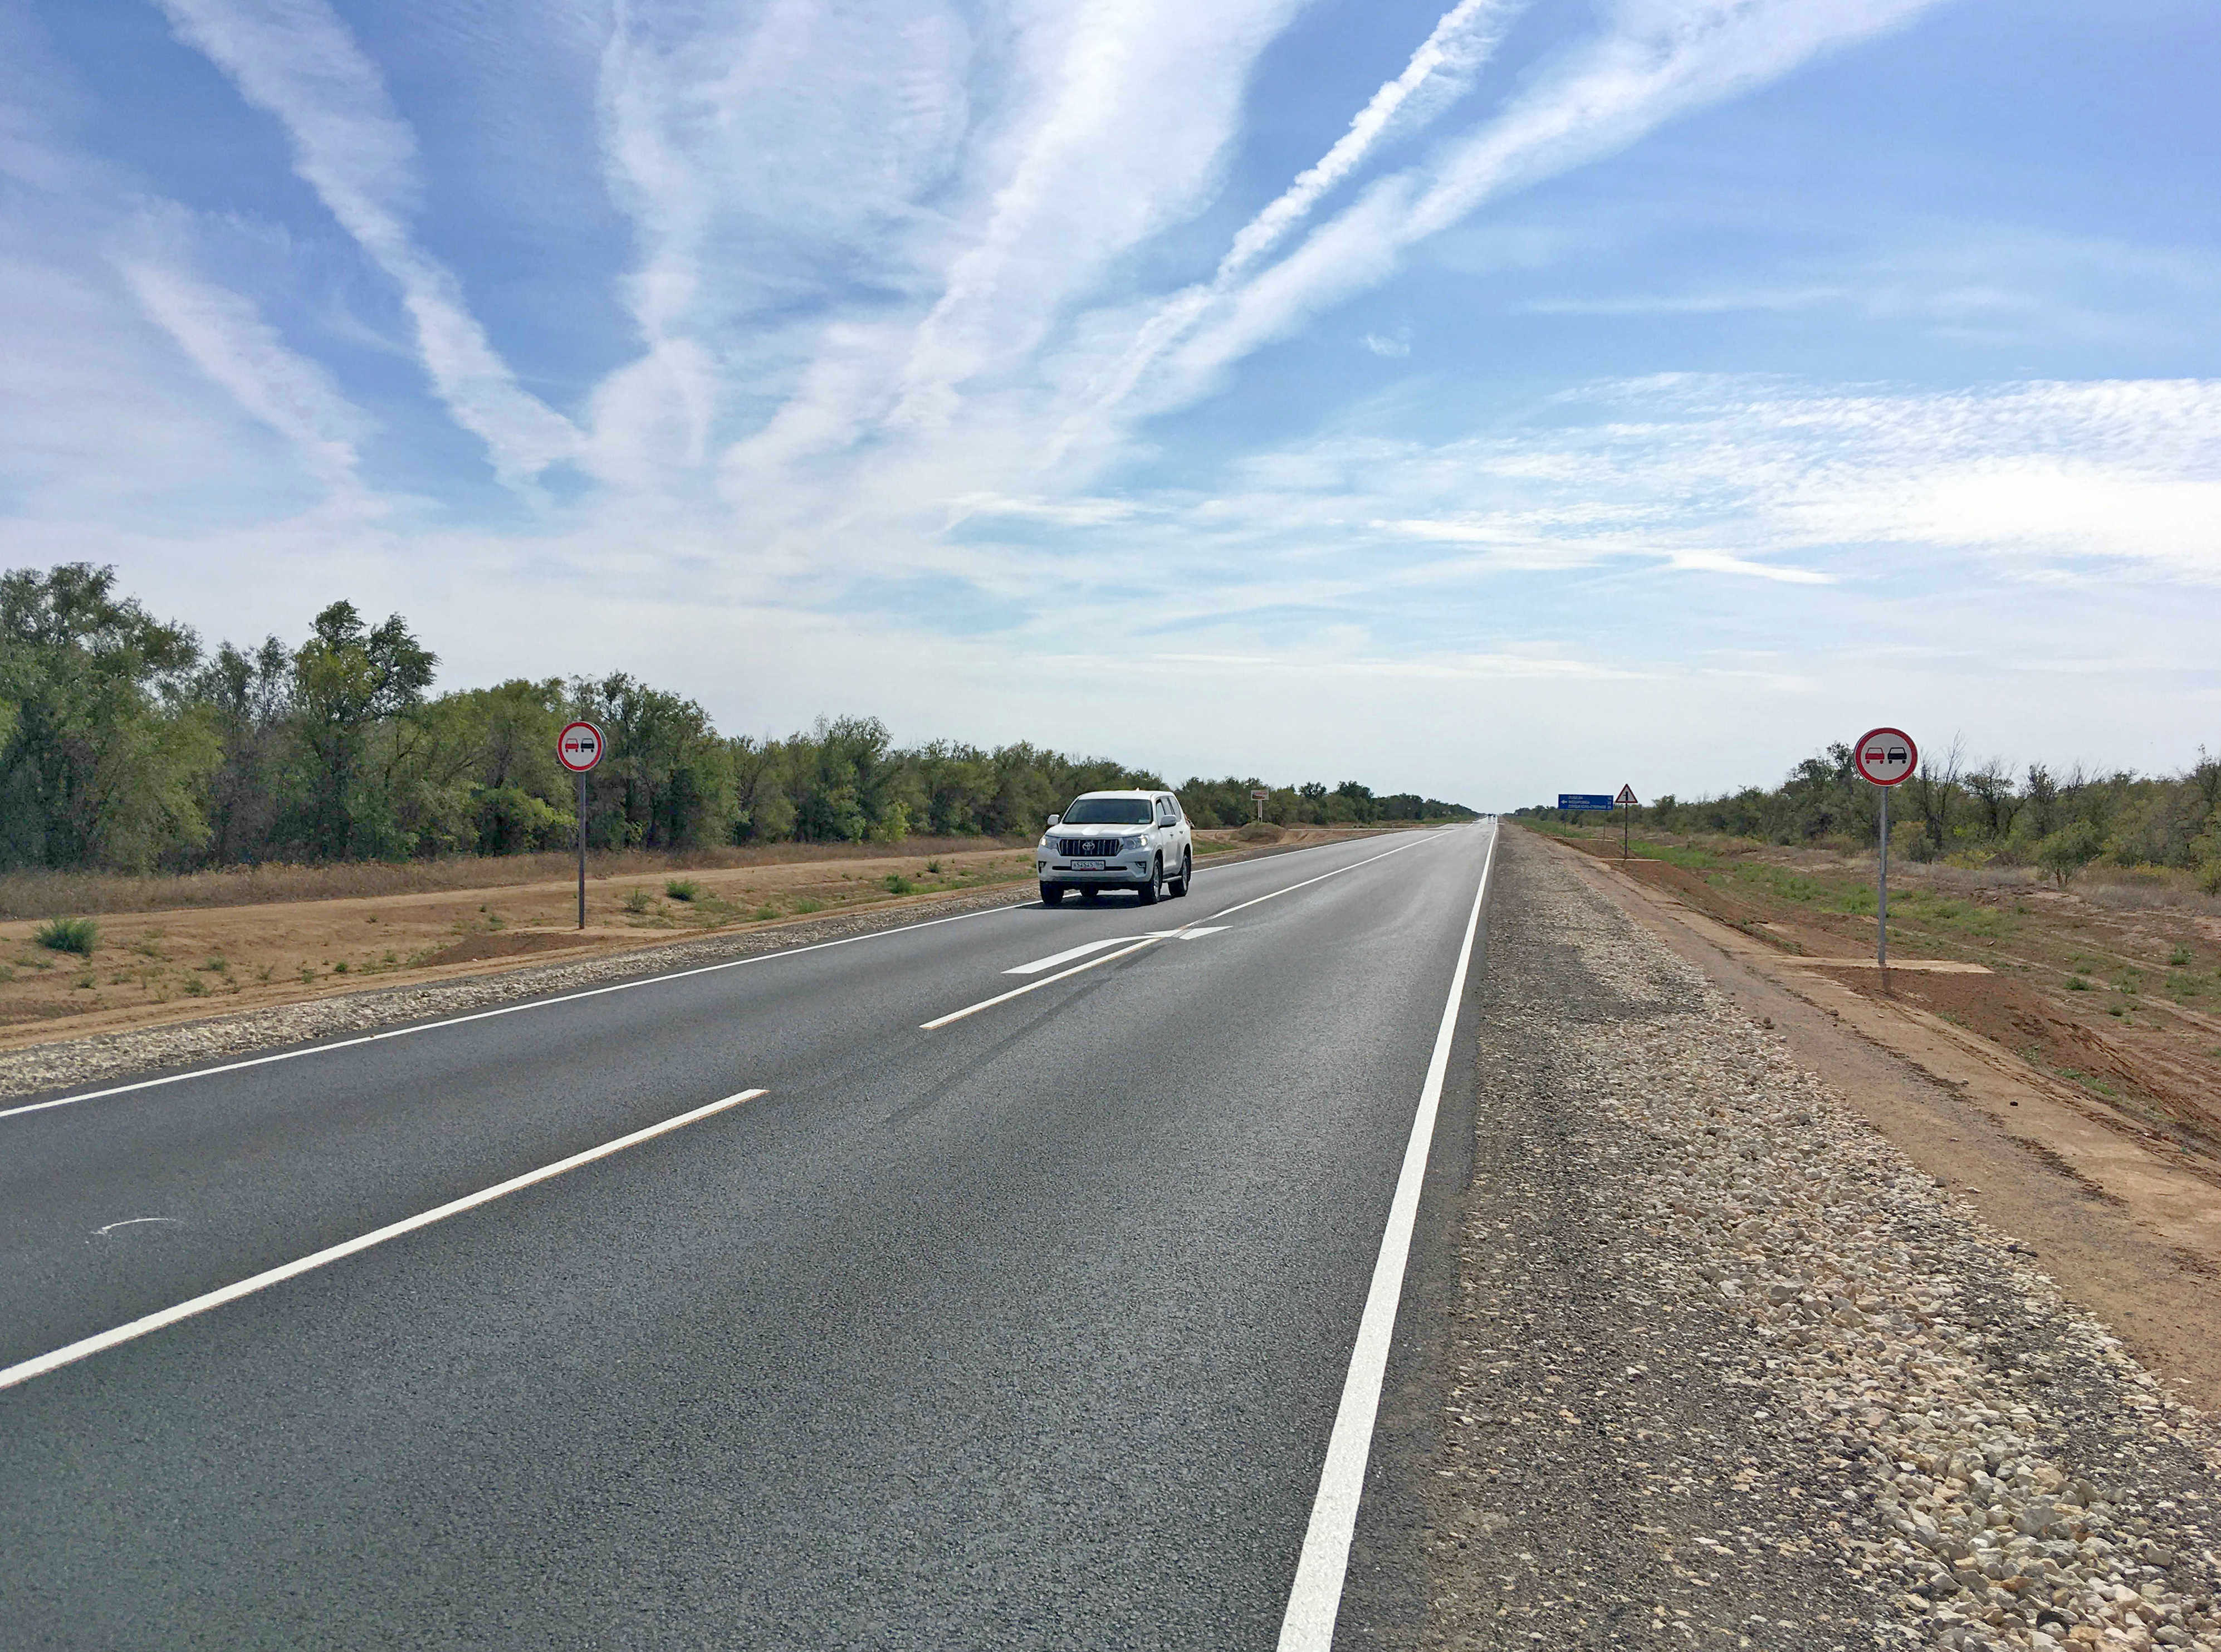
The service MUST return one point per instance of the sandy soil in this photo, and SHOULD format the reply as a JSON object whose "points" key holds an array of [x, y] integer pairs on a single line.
{"points": [[2119, 1197], [156, 968]]}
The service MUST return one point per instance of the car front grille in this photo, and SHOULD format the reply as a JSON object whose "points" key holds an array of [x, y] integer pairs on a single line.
{"points": [[1087, 846]]}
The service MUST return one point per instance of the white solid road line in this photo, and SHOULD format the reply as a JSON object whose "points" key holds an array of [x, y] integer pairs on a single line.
{"points": [[1316, 1599], [43, 1363], [505, 1010], [1181, 934]]}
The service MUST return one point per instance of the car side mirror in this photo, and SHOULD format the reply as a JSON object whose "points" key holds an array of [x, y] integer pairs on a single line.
{"points": [[1053, 819]]}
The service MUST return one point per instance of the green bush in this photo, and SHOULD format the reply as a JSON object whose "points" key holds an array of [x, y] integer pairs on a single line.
{"points": [[638, 900], [897, 883], [2077, 984], [77, 935], [682, 889], [2067, 851]]}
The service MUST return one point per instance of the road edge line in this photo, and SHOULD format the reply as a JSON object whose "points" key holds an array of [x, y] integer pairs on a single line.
{"points": [[1315, 1598], [84, 1348]]}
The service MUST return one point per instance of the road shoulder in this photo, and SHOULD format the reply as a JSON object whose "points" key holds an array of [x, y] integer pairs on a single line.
{"points": [[2128, 1225]]}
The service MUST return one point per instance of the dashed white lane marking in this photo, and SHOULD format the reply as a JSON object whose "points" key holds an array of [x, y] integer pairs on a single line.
{"points": [[1068, 954], [133, 1221], [939, 1022], [86, 1347], [1316, 1599], [1088, 946], [1148, 940]]}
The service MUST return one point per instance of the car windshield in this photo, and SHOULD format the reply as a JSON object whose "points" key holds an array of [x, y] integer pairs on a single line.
{"points": [[1109, 811]]}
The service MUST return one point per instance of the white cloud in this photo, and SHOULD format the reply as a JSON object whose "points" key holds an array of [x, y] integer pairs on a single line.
{"points": [[226, 339], [1662, 58], [1395, 347], [296, 60]]}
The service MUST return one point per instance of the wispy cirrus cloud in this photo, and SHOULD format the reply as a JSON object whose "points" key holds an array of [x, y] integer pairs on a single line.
{"points": [[223, 335], [296, 60], [1658, 60]]}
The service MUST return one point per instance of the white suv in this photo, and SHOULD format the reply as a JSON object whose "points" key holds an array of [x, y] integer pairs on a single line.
{"points": [[1118, 839]]}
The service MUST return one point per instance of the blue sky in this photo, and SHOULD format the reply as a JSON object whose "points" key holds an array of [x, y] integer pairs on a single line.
{"points": [[1483, 397]]}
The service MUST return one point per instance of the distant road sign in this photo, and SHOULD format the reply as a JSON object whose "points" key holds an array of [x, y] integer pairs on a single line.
{"points": [[1584, 800], [580, 747], [1260, 794], [1885, 756], [1627, 796]]}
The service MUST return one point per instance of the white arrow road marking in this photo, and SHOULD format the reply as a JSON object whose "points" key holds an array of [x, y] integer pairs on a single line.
{"points": [[11, 1375], [133, 1221], [1086, 947]]}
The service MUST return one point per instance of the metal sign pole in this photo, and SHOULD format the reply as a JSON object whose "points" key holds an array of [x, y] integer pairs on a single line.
{"points": [[1881, 896], [1626, 825], [582, 851]]}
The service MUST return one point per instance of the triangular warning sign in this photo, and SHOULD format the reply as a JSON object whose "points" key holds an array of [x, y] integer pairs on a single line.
{"points": [[1627, 797]]}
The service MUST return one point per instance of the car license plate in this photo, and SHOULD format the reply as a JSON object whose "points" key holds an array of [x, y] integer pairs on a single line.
{"points": [[1087, 865]]}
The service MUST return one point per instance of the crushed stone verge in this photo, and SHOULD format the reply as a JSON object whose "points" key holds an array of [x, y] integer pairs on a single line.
{"points": [[1727, 1371]]}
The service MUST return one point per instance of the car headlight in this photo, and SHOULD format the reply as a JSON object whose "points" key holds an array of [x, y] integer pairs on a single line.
{"points": [[1129, 844]]}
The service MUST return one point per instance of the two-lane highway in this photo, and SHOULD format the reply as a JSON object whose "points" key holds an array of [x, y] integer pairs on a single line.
{"points": [[995, 1282]]}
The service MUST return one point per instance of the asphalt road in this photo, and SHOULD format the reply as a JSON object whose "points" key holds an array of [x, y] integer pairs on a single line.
{"points": [[1027, 1329]]}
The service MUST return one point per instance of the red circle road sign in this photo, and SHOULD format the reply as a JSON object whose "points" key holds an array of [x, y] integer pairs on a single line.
{"points": [[1885, 756], [580, 747]]}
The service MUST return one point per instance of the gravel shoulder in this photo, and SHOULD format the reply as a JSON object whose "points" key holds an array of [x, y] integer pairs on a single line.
{"points": [[1725, 1368]]}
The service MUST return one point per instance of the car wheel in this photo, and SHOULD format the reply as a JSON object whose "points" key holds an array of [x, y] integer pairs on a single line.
{"points": [[1180, 884], [1148, 891], [1052, 894]]}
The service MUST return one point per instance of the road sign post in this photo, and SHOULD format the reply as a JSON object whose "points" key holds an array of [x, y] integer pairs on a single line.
{"points": [[1626, 800], [579, 749], [1258, 798], [1886, 758]]}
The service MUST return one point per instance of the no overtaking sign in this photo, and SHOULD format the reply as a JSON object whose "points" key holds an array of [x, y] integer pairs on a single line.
{"points": [[580, 747]]}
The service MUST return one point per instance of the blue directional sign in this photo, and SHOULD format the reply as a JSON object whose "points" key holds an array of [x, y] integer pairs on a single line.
{"points": [[1584, 800]]}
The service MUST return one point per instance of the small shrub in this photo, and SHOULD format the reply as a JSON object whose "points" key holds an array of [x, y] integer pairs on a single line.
{"points": [[7, 971], [808, 906], [682, 889], [2068, 851], [341, 967], [763, 912], [195, 987], [2180, 958], [2077, 984], [933, 866], [215, 963], [897, 883], [308, 975], [77, 935], [637, 901], [2209, 878]]}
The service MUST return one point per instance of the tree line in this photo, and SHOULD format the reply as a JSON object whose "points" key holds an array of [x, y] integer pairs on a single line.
{"points": [[1990, 812], [126, 744]]}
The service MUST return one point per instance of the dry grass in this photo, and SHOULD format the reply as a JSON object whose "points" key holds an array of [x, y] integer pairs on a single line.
{"points": [[57, 894]]}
